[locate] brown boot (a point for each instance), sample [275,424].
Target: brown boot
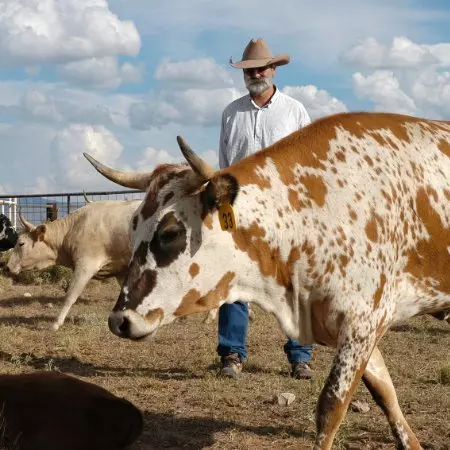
[301,370]
[231,366]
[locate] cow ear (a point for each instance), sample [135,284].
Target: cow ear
[40,232]
[221,189]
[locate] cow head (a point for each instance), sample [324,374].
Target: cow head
[31,250]
[8,236]
[182,262]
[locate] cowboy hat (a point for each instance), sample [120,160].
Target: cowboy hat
[257,54]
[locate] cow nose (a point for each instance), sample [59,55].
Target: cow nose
[119,324]
[129,324]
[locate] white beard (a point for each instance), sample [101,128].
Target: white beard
[257,87]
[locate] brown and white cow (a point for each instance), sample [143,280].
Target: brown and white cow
[341,229]
[93,241]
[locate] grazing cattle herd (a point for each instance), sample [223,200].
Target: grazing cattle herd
[341,230]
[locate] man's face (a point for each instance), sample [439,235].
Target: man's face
[259,79]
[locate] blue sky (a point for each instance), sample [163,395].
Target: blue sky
[122,78]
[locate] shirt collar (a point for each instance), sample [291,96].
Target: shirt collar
[274,97]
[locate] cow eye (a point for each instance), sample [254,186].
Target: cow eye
[21,244]
[170,235]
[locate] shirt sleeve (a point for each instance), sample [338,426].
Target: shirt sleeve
[223,159]
[304,117]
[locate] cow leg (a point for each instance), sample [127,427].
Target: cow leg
[377,379]
[82,274]
[352,353]
[211,315]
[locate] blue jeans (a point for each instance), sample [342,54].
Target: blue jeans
[233,328]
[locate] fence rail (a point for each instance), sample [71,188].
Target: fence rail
[38,208]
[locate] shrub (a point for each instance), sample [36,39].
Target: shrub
[444,374]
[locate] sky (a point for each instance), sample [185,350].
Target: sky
[120,79]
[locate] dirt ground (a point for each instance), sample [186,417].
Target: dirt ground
[172,379]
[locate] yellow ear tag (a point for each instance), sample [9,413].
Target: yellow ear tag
[226,217]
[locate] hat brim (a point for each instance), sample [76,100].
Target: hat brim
[279,60]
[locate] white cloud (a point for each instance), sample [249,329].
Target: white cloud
[39,31]
[431,90]
[40,106]
[5,189]
[313,33]
[211,157]
[101,72]
[43,184]
[152,157]
[415,82]
[131,73]
[56,103]
[317,102]
[383,88]
[403,53]
[71,169]
[189,107]
[202,73]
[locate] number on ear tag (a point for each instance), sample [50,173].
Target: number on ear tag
[226,217]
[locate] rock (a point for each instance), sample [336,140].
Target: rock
[359,406]
[284,399]
[49,305]
[27,294]
[354,446]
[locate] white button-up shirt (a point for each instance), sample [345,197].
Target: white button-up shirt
[247,128]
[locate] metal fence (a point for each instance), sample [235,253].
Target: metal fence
[38,208]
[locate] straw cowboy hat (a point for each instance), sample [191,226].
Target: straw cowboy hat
[257,54]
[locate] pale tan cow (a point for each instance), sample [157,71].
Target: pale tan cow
[93,241]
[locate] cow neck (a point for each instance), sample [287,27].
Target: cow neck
[57,231]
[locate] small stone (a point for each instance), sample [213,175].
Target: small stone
[27,294]
[284,399]
[49,305]
[354,446]
[359,406]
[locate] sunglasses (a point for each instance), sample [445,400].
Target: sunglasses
[257,69]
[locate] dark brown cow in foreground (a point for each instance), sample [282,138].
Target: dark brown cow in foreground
[53,411]
[341,230]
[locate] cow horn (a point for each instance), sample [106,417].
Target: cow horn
[133,180]
[85,197]
[200,167]
[27,225]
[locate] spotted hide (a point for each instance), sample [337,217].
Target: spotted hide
[341,229]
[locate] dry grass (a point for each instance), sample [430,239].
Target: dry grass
[172,378]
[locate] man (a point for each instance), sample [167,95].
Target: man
[249,124]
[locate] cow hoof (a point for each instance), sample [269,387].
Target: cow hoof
[55,326]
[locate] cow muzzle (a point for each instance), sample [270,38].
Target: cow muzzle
[129,324]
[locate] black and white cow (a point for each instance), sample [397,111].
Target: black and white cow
[8,235]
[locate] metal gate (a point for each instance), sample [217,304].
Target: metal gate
[38,208]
